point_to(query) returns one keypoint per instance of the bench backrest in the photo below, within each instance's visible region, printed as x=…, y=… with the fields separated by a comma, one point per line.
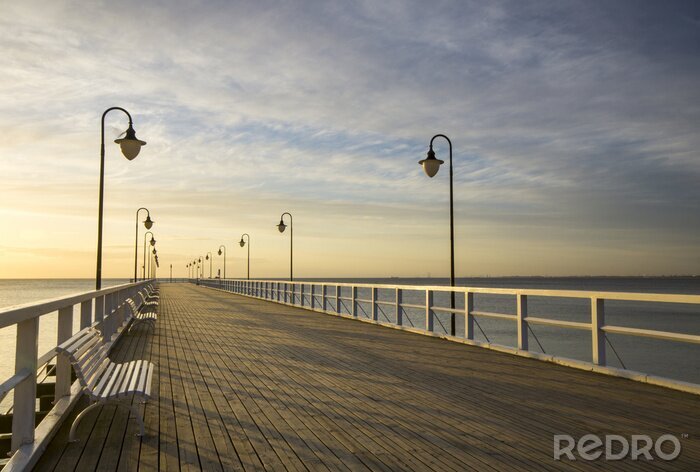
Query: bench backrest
x=87, y=354
x=133, y=306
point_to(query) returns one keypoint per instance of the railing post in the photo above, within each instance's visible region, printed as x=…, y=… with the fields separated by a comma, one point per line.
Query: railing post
x=399, y=310
x=429, y=313
x=85, y=314
x=324, y=304
x=313, y=294
x=354, y=302
x=63, y=368
x=301, y=294
x=99, y=309
x=597, y=333
x=522, y=322
x=468, y=317
x=337, y=299
x=374, y=303
x=23, y=419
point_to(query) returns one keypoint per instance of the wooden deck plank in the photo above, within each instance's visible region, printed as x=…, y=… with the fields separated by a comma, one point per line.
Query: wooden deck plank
x=243, y=384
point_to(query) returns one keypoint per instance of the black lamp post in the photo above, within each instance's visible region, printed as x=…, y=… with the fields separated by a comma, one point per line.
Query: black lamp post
x=431, y=165
x=130, y=146
x=151, y=265
x=210, y=258
x=281, y=227
x=153, y=243
x=148, y=223
x=224, y=247
x=242, y=243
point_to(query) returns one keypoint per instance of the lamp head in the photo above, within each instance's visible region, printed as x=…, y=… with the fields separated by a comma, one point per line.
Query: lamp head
x=281, y=226
x=148, y=222
x=200, y=259
x=219, y=251
x=130, y=144
x=154, y=251
x=241, y=242
x=153, y=241
x=207, y=258
x=431, y=165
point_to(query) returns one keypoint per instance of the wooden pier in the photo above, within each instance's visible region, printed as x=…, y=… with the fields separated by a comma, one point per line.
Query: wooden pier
x=244, y=384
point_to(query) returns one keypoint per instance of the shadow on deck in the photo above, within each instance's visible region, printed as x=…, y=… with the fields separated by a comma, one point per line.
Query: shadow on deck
x=248, y=384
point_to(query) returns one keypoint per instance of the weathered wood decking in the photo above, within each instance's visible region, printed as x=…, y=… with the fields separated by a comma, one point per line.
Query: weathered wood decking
x=247, y=384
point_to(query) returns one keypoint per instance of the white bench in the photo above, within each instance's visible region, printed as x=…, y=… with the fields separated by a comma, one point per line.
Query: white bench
x=143, y=312
x=152, y=293
x=103, y=380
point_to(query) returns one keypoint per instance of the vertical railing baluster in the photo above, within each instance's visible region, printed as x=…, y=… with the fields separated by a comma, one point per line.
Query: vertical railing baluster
x=374, y=304
x=522, y=322
x=597, y=333
x=337, y=299
x=85, y=314
x=429, y=313
x=301, y=294
x=324, y=306
x=63, y=368
x=468, y=317
x=26, y=352
x=399, y=309
x=354, y=301
x=313, y=295
x=100, y=310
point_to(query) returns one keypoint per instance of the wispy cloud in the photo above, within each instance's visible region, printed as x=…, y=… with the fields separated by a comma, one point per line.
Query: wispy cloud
x=574, y=126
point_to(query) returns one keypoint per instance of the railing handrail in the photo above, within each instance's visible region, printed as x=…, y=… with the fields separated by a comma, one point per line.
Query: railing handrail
x=585, y=294
x=17, y=313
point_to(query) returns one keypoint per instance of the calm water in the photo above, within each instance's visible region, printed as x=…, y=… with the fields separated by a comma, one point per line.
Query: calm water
x=675, y=360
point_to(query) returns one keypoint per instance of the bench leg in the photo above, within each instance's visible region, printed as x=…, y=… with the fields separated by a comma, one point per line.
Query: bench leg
x=74, y=427
x=81, y=415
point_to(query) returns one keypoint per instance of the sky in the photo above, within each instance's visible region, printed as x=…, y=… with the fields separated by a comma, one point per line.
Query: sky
x=574, y=127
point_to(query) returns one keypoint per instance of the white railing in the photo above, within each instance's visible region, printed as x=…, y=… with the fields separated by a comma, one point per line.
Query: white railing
x=342, y=299
x=101, y=308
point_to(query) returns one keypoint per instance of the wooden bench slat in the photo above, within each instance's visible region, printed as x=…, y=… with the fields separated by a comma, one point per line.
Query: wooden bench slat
x=149, y=377
x=105, y=378
x=104, y=393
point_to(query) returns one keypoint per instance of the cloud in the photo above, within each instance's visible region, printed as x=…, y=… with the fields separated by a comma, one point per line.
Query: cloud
x=571, y=122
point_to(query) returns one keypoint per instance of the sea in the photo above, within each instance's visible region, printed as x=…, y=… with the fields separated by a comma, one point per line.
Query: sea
x=679, y=361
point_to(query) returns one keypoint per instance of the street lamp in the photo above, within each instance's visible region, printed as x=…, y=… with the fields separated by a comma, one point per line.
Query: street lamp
x=242, y=243
x=130, y=148
x=153, y=243
x=222, y=246
x=200, y=265
x=431, y=165
x=281, y=226
x=210, y=258
x=148, y=223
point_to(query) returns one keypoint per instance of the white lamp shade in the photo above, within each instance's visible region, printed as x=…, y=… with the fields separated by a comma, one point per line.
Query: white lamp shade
x=130, y=147
x=431, y=166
